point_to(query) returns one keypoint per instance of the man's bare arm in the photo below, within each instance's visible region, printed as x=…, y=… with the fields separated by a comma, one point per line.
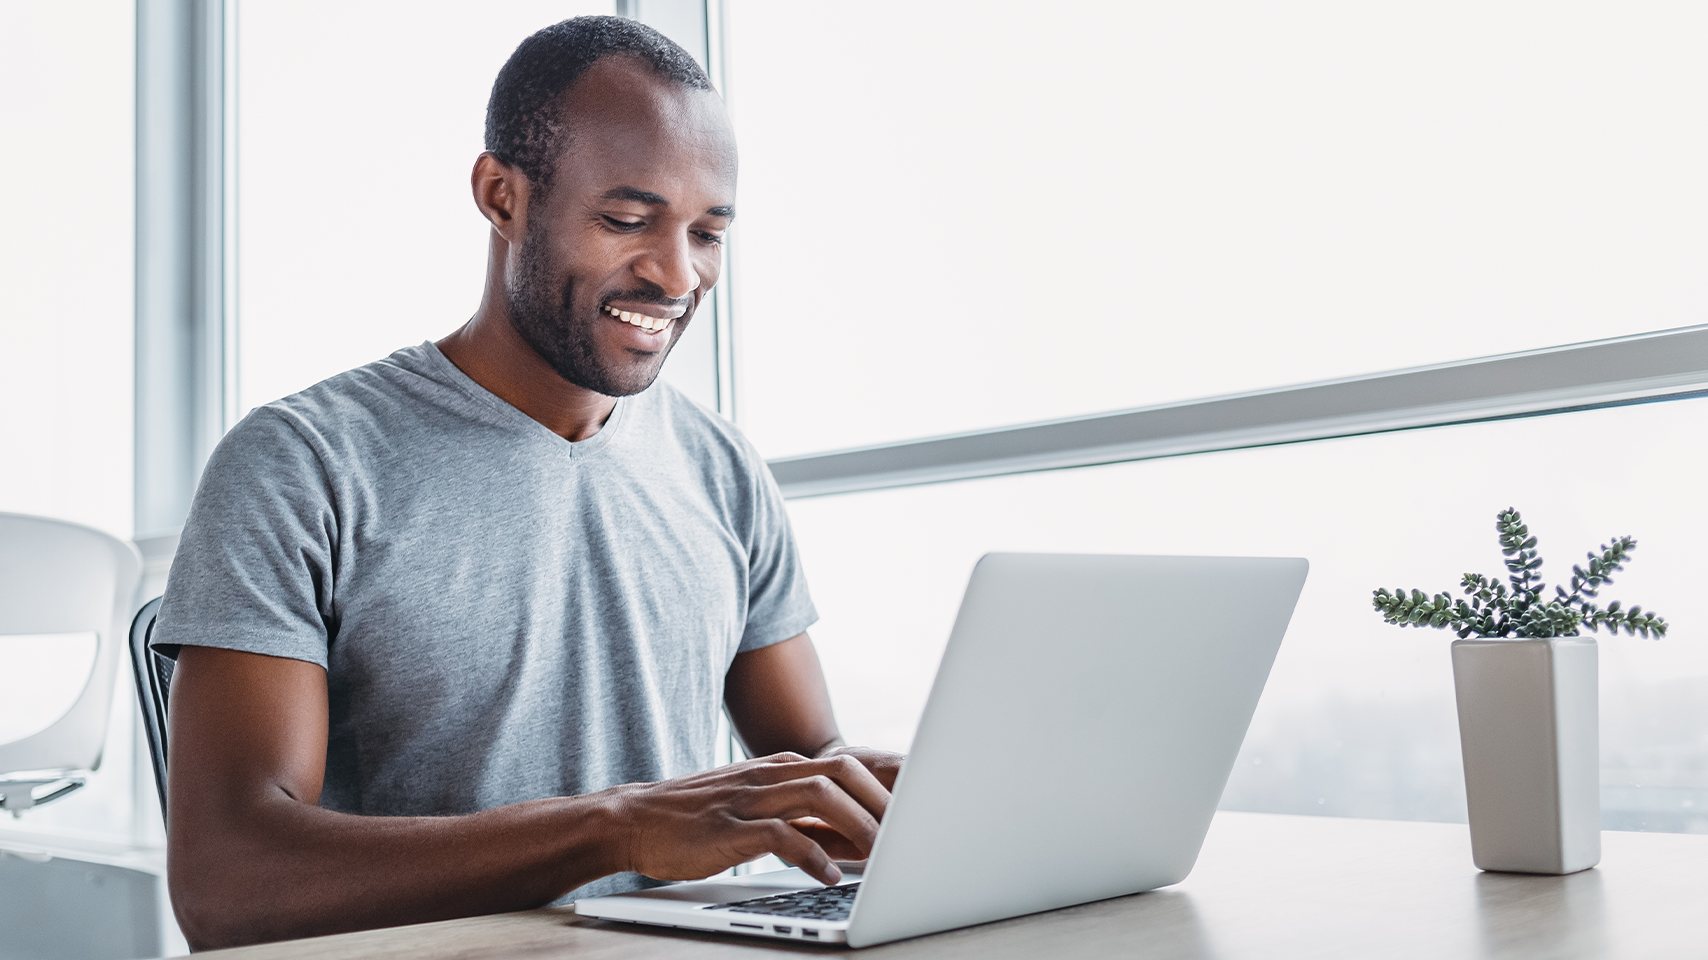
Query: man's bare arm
x=777, y=701
x=253, y=858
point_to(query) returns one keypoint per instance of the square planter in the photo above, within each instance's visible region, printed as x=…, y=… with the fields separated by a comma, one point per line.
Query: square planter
x=1530, y=735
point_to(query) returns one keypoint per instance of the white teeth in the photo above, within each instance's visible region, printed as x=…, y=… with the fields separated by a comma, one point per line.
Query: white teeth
x=649, y=324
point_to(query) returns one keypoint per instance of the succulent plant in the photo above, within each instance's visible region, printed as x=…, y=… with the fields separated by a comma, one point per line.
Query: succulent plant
x=1490, y=610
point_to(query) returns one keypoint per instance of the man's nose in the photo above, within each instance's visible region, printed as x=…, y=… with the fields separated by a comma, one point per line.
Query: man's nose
x=670, y=265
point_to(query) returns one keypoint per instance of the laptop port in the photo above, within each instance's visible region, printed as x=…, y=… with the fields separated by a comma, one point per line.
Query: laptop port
x=809, y=933
x=747, y=926
x=785, y=931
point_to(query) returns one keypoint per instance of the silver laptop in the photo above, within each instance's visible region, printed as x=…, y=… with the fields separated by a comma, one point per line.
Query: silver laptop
x=1083, y=723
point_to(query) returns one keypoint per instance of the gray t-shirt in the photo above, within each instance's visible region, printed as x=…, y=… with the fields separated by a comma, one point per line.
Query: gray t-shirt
x=502, y=615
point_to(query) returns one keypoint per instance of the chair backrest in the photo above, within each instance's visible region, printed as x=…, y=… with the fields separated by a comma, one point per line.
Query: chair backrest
x=153, y=671
x=65, y=578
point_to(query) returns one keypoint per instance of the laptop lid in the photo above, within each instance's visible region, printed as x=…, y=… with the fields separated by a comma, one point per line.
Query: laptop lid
x=1079, y=733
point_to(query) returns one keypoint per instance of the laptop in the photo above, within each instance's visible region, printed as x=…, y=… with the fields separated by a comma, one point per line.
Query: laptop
x=1083, y=723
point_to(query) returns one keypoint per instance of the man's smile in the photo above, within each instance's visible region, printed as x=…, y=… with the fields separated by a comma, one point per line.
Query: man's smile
x=652, y=325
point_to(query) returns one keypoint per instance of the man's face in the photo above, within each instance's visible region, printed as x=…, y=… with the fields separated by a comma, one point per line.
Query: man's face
x=618, y=254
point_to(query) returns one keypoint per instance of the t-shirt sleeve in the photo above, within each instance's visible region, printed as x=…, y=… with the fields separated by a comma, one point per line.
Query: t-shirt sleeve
x=778, y=604
x=254, y=567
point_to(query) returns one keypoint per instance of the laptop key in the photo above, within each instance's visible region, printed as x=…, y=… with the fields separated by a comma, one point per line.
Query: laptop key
x=822, y=903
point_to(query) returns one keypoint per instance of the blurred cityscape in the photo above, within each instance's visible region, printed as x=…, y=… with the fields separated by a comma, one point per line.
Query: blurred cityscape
x=1386, y=759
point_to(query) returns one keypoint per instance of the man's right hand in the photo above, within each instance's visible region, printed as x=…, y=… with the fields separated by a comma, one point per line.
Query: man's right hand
x=808, y=812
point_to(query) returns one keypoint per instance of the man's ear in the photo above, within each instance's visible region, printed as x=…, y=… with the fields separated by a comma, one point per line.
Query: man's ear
x=501, y=193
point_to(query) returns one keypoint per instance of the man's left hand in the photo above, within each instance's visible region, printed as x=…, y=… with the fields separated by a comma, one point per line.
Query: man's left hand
x=883, y=764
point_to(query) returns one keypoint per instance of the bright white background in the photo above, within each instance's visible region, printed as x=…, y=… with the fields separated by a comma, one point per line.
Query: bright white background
x=969, y=213
x=67, y=95
x=956, y=215
x=961, y=215
x=66, y=228
x=360, y=125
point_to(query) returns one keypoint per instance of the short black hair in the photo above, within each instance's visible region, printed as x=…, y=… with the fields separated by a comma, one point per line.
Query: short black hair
x=525, y=126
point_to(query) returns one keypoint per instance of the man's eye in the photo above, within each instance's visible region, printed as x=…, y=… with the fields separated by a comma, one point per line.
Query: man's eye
x=711, y=238
x=617, y=224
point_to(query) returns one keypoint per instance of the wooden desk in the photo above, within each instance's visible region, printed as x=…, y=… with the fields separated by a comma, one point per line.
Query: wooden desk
x=1266, y=886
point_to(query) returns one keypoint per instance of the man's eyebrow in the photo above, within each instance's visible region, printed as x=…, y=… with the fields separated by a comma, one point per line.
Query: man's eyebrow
x=636, y=195
x=721, y=212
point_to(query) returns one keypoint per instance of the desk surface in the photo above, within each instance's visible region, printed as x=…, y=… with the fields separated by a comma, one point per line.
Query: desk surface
x=1265, y=886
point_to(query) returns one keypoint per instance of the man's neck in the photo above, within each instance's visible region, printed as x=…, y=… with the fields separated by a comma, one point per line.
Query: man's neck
x=492, y=354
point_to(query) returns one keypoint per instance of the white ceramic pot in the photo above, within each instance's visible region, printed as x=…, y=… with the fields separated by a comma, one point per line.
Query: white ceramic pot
x=1530, y=734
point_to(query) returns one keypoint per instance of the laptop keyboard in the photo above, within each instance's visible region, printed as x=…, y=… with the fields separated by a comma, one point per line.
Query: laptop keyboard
x=822, y=903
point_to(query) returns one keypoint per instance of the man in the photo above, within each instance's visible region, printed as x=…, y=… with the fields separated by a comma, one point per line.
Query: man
x=454, y=628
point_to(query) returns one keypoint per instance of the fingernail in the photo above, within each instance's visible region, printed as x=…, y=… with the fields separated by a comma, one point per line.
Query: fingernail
x=835, y=874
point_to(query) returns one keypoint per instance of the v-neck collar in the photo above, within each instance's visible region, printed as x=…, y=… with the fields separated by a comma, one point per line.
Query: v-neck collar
x=514, y=416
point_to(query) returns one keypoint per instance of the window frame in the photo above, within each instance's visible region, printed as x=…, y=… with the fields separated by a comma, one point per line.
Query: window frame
x=1642, y=368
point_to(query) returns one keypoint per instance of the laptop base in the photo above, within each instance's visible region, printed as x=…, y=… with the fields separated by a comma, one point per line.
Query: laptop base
x=693, y=906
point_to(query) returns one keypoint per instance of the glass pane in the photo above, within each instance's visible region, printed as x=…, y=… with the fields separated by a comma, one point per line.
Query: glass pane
x=67, y=93
x=964, y=214
x=360, y=124
x=1358, y=718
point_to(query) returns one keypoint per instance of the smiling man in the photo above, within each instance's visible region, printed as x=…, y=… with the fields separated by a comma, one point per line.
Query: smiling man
x=455, y=628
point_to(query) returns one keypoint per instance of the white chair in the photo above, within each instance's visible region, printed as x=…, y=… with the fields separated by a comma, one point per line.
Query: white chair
x=63, y=578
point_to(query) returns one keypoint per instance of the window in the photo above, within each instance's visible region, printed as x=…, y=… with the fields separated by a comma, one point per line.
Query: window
x=66, y=247
x=65, y=262
x=966, y=216
x=1358, y=716
x=962, y=215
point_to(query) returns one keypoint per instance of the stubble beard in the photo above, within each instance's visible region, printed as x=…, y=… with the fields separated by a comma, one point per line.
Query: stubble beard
x=546, y=320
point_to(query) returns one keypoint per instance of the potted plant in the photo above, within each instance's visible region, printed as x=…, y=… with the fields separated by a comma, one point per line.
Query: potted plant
x=1525, y=682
